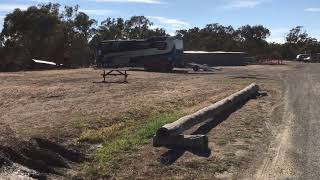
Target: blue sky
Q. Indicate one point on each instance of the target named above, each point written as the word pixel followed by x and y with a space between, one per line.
pixel 277 15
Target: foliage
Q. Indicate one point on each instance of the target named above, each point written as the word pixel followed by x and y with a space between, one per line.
pixel 137 27
pixel 70 37
pixel 297 36
pixel 42 32
pixel 251 39
pixel 216 37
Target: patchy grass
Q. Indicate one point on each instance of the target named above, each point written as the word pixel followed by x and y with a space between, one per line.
pixel 68 105
pixel 127 140
pixel 234 142
pixel 97 136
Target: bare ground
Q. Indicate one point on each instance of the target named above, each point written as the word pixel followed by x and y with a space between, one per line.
pixel 295 152
pixel 237 141
pixel 60 105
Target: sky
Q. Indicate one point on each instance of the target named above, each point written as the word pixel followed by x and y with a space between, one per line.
pixel 279 16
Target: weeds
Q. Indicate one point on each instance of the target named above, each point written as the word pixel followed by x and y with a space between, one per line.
pixel 128 139
pixel 96 136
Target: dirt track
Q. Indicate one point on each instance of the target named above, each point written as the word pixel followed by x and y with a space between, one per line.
pixel 296 152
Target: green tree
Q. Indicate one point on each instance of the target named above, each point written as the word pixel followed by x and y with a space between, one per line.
pixel 253 39
pixel 42 32
pixel 137 27
pixel 218 37
pixel 192 39
pixel 256 33
pixel 83 24
pixel 298 41
pixel 27 32
pixel 297 36
pixel 112 29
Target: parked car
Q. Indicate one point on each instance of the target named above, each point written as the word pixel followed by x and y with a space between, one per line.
pixel 304 58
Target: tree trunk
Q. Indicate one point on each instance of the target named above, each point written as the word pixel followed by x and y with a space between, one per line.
pixel 189 121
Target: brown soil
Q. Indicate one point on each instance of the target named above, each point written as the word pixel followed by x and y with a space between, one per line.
pixel 37 156
pixel 61 104
pixel 235 140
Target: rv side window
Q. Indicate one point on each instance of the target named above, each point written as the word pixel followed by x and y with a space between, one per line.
pixel 106 48
pixel 159 45
pixel 115 47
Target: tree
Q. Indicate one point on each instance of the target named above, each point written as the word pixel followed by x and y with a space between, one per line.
pixel 70 37
pixel 253 38
pixel 112 29
pixel 298 41
pixel 256 33
pixel 297 36
pixel 218 37
pixel 27 32
pixel 83 24
pixel 77 28
pixel 42 32
pixel 191 38
pixel 137 27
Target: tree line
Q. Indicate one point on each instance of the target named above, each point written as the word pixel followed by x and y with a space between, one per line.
pixel 65 37
pixel 70 37
pixel 251 39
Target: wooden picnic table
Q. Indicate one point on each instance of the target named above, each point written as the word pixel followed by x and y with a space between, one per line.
pixel 116 72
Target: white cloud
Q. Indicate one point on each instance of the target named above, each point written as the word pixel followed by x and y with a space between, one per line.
pixel 155 27
pixel 278 35
pixel 279 40
pixel 173 23
pixel 312 9
pixel 282 30
pixel 11 7
pixel 170 25
pixel 134 1
pixel 1 21
pixel 236 4
pixel 97 12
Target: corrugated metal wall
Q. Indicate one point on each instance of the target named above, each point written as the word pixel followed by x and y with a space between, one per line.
pixel 217 59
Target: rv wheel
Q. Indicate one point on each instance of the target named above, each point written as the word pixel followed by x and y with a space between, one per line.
pixel 195 68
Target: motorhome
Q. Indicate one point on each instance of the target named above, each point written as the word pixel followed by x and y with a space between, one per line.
pixel 156 53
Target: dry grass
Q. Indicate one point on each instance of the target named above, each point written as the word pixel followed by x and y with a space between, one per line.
pixel 63 103
pixel 234 143
pixel 68 105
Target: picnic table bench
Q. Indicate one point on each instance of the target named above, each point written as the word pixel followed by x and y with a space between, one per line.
pixel 115 72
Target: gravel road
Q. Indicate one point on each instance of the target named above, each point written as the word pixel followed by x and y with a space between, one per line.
pixel 295 154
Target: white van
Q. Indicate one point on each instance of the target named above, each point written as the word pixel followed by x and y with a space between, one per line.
pixel 304 58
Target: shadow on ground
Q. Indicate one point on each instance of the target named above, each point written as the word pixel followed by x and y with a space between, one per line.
pixel 111 82
pixel 37 157
pixel 172 155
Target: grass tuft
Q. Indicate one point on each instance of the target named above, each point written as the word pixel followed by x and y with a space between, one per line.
pixel 97 136
pixel 126 138
pixel 131 138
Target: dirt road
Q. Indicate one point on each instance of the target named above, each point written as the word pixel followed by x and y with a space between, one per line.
pixel 296 151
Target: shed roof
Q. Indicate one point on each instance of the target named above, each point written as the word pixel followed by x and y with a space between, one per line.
pixel 212 52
